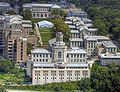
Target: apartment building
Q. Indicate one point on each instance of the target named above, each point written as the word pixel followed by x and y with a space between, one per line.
pixel 40 10
pixel 58 63
pixel 15 32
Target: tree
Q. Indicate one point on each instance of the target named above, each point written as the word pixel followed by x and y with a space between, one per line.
pixel 27 14
pixel 6 65
pixel 58 13
pixel 29 48
pixel 60 26
pixel 11 12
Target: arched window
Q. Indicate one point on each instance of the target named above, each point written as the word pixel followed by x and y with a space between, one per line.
pixel 38 15
pixel 45 15
pixel 41 15
pixel 59 54
pixel 33 15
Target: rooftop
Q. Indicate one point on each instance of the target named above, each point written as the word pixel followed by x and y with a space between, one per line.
pixel 29 5
pixel 109 44
pixel 3 4
pixel 117 55
pixel 76 11
pixel 76 50
pixel 26 25
pixel 40 50
pixel 96 38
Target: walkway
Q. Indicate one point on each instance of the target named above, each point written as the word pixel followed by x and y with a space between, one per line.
pixel 38 34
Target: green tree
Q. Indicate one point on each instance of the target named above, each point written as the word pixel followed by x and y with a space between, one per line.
pixel 29 48
pixel 27 14
pixel 60 26
pixel 58 13
pixel 11 12
pixel 6 65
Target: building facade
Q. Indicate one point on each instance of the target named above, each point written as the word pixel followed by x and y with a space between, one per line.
pixel 57 64
pixel 84 34
pixel 15 32
pixel 76 13
pixel 109 58
pixel 4 7
pixel 40 10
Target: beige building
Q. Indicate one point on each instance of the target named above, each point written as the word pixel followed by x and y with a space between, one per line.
pixel 40 10
pixel 15 32
pixel 57 64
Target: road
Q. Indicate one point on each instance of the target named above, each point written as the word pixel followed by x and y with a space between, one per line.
pixel 38 34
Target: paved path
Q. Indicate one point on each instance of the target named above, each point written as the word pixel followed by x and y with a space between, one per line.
pixel 38 34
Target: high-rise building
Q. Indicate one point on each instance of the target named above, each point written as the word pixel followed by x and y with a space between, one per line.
pixel 14 34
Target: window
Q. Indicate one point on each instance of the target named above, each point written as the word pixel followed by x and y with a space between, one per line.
pixel 41 15
pixel 40 60
pixel 80 60
pixel 71 60
pixel 46 55
pixel 43 60
pixel 37 55
pixel 71 55
pixel 33 55
pixel 83 60
pixel 37 15
pixel 45 15
pixel 43 55
pixel 40 55
pixel 33 15
pixel 83 56
pixel 74 55
pixel 74 60
pixel 77 55
pixel 46 60
pixel 59 54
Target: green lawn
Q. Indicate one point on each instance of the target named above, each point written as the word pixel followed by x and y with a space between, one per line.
pixel 47 34
pixel 46 37
pixel 13 78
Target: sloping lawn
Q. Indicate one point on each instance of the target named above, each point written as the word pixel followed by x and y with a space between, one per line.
pixel 47 34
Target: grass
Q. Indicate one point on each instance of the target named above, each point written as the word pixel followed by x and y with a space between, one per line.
pixel 46 37
pixel 47 34
pixel 13 78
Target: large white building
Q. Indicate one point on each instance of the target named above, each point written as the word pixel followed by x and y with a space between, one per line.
pixel 58 64
pixel 40 10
